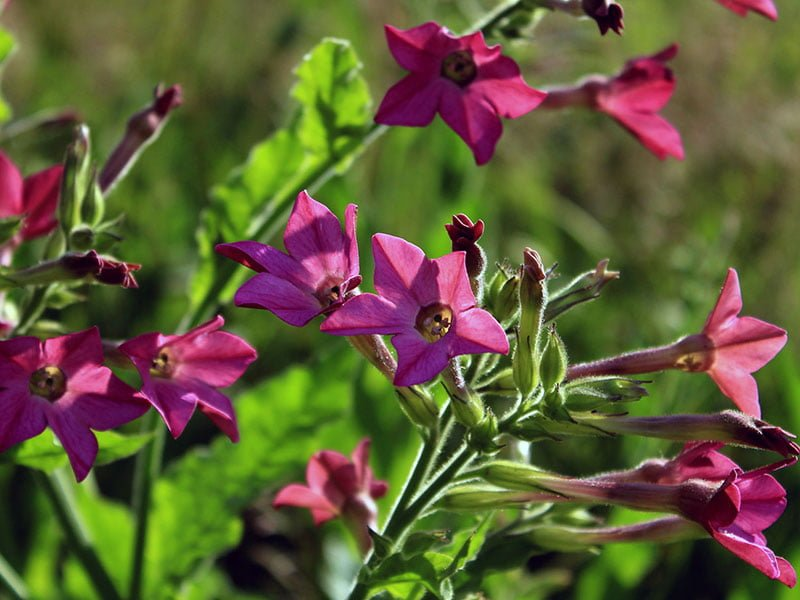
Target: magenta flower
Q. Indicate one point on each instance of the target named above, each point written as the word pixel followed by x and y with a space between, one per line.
pixel 740 7
pixel 61 382
pixel 338 487
pixel 633 98
pixel 468 83
pixel 729 349
pixel 319 273
pixel 743 505
pixel 427 305
pixel 35 198
pixel 182 372
pixel 608 15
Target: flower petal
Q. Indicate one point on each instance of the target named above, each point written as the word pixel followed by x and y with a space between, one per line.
pixel 737 385
pixel 412 101
pixel 39 198
pixel 474 119
pixel 21 417
pixel 759 556
pixel 217 407
pixel 263 258
pixel 74 352
pixel 10 188
pixel 500 83
pixel 76 438
pixel 476 331
pixel 740 7
pixel 173 401
pixel 367 314
pixel 295 494
pixel 748 342
pixel 728 306
pixel 217 358
pixel 422 48
pixel 419 361
pixel 401 270
pixel 279 296
pixel 653 131
pixel 452 283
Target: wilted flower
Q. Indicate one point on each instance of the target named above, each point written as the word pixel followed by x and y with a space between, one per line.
pixel 316 277
pixel 338 487
pixel 182 372
pixel 426 304
pixel 468 83
pixel 61 382
pixel 633 98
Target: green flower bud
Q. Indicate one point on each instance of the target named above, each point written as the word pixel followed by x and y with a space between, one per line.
pixel 502 298
pixel 583 288
pixel 590 394
pixel 553 367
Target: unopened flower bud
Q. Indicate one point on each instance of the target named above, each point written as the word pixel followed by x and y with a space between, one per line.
pixel 480 497
pixel 502 295
pixel 608 15
pixel 593 393
pixel 538 426
pixel 73 266
pixel 513 475
pixel 465 235
pixel 583 288
pixel 482 436
pixel 553 366
pixel 93 205
pixel 524 368
pixel 418 406
pixel 75 179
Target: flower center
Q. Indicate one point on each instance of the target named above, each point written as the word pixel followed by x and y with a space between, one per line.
pixel 162 365
pixel 330 292
pixel 693 362
pixel 434 321
pixel 48 382
pixel 459 67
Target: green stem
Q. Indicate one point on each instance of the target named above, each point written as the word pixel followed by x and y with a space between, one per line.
pixel 55 488
pixel 491 19
pixel 12 581
pixel 33 309
pixel 148 466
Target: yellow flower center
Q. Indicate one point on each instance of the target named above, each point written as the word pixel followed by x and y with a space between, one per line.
pixel 434 321
pixel 459 67
pixel 48 382
pixel 162 365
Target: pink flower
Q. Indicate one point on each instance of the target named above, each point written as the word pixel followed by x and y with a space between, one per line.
pixel 633 98
pixel 61 382
pixel 468 83
pixel 338 487
pixel 739 346
pixel 607 14
pixel 181 372
pixel 427 305
pixel 319 273
pixel 744 504
pixel 740 7
pixel 34 197
pixel 729 349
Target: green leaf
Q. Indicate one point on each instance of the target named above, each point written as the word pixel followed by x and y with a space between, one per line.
pixel 7 46
pixel 335 99
pixel 115 446
pixel 422 541
pixel 427 569
pixel 198 501
pixel 44 452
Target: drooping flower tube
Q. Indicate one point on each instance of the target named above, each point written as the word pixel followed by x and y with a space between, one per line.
pixel 470 84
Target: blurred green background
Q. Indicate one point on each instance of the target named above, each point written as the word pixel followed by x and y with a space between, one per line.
pixel 573 185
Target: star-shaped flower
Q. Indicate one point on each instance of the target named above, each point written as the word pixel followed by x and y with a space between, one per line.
pixel 740 7
pixel 316 277
pixel 338 486
pixel 427 305
pixel 61 382
pixel 182 372
pixel 468 83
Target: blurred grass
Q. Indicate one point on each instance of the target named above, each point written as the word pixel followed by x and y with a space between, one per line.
pixel 571 184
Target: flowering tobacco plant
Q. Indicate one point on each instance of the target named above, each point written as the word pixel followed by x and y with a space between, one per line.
pixel 476 363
